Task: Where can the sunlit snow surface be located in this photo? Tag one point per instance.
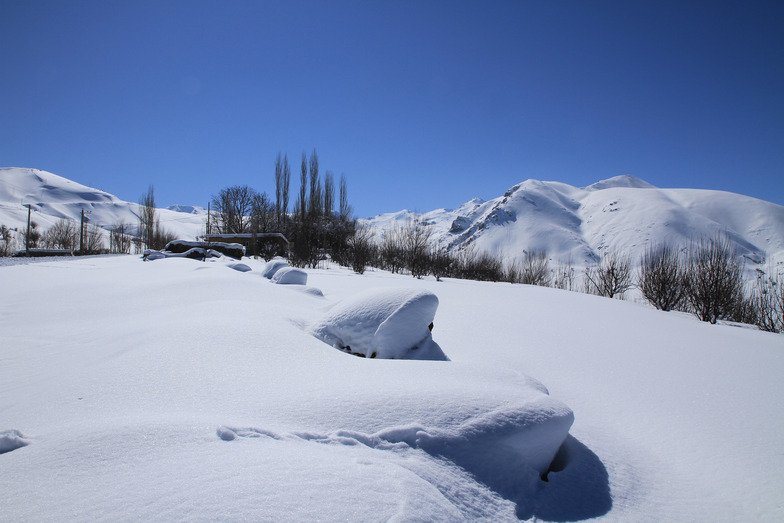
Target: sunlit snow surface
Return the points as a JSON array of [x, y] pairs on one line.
[[181, 389]]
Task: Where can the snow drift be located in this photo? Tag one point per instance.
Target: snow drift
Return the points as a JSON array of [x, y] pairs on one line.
[[383, 323]]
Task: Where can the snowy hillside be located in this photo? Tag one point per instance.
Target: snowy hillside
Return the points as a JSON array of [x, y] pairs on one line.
[[53, 197], [622, 214], [186, 390]]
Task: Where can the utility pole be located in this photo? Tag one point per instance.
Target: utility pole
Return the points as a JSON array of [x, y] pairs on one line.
[[27, 236], [81, 234]]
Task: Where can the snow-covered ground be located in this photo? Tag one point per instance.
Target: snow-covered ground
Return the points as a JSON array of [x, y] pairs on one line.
[[177, 389]]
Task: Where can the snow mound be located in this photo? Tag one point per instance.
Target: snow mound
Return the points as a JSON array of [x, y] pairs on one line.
[[383, 323], [11, 440], [524, 436], [290, 276], [241, 267], [273, 266]]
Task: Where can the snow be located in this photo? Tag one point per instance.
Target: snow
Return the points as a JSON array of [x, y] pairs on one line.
[[182, 389], [383, 323], [273, 266], [623, 214], [290, 276]]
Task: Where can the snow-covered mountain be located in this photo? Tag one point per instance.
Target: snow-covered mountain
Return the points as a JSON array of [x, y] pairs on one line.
[[622, 214], [52, 197]]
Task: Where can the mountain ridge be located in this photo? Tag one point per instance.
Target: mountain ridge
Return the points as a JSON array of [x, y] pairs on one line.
[[622, 214]]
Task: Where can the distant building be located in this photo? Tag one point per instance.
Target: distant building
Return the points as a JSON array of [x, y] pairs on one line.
[[263, 242]]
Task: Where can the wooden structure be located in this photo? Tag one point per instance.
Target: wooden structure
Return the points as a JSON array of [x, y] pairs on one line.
[[263, 242]]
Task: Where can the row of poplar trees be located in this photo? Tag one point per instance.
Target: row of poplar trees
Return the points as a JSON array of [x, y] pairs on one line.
[[319, 223]]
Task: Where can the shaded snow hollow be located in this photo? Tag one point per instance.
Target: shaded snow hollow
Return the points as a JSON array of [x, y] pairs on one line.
[[383, 323]]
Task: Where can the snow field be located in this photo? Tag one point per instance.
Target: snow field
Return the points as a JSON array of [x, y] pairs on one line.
[[183, 389]]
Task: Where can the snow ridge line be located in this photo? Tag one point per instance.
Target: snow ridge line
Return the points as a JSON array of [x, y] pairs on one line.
[[528, 433]]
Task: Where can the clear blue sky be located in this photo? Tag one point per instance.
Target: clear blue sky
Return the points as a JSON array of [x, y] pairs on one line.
[[421, 104]]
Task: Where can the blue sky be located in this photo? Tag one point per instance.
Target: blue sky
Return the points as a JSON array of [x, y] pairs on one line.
[[420, 104]]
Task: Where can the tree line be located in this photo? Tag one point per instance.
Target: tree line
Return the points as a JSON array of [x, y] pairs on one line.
[[318, 223]]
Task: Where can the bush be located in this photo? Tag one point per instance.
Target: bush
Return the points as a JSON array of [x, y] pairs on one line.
[[361, 248], [768, 303], [714, 281], [7, 243], [662, 278], [612, 278], [532, 270]]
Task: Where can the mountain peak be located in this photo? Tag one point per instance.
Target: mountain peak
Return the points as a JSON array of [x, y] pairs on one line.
[[624, 180]]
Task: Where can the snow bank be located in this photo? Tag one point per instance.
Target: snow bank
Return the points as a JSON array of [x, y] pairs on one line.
[[273, 266], [383, 323], [290, 276]]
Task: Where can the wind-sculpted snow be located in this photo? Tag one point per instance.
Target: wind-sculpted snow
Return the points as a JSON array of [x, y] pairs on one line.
[[383, 323], [290, 276], [273, 266], [11, 440]]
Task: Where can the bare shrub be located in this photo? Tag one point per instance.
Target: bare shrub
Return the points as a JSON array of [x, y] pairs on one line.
[[390, 250], [612, 278], [93, 240], [768, 302], [120, 238], [361, 248], [564, 276], [64, 234], [32, 236], [441, 263], [479, 267], [7, 243], [416, 248], [662, 279], [715, 280], [535, 269]]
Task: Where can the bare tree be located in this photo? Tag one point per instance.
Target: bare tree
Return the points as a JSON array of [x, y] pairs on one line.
[[345, 208], [361, 247], [32, 236], [119, 238], [232, 207], [316, 199], [715, 286], [7, 243], [612, 278], [768, 303], [285, 189], [147, 218], [93, 240], [301, 204], [329, 194], [534, 269], [278, 189], [63, 234], [564, 276], [662, 279], [416, 247]]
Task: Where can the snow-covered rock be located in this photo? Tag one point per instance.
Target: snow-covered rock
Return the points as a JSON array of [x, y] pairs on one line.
[[383, 323], [290, 276]]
